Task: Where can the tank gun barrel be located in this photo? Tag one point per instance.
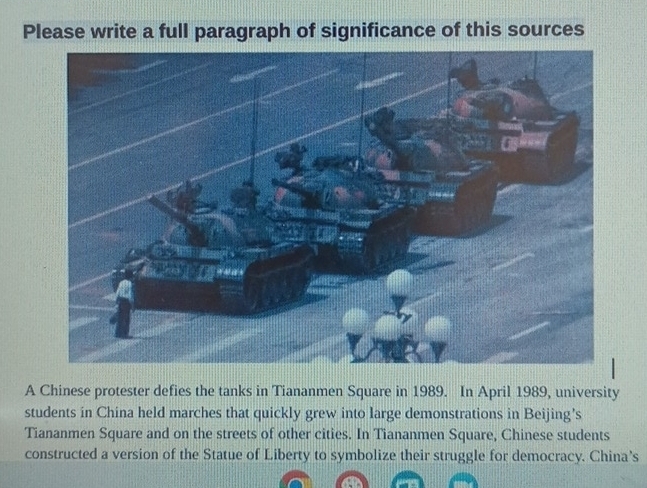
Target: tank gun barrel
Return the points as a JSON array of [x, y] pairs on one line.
[[182, 218]]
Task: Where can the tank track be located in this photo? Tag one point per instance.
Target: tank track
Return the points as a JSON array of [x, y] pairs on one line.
[[172, 295], [471, 209], [385, 242], [269, 283], [556, 163]]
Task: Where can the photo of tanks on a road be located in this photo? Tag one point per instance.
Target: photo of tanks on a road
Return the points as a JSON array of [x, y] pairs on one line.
[[320, 207]]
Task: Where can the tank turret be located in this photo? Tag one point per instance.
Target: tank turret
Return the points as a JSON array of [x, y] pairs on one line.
[[514, 125], [329, 187], [211, 260], [422, 166], [415, 144], [335, 207]]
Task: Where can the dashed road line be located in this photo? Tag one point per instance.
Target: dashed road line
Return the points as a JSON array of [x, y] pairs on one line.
[[314, 349], [378, 81], [513, 261], [588, 228], [508, 188], [90, 281], [572, 90], [251, 75], [141, 69], [82, 321], [501, 357], [182, 127], [88, 307], [137, 90], [217, 346], [113, 348], [530, 330], [428, 298]]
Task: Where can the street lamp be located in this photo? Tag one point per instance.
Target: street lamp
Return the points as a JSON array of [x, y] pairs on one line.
[[437, 331], [396, 334], [399, 284]]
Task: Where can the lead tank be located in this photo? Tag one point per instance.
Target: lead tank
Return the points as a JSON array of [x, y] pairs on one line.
[[211, 260], [514, 125], [422, 167], [334, 207]]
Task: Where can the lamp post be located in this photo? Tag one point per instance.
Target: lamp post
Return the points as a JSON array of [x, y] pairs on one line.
[[437, 331], [397, 333]]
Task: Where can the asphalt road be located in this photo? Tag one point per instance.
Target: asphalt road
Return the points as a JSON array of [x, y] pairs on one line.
[[518, 291]]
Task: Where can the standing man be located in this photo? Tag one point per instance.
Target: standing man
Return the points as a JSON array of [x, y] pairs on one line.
[[125, 305]]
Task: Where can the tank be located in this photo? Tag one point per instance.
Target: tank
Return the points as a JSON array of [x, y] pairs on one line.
[[422, 166], [211, 260], [514, 125], [334, 207]]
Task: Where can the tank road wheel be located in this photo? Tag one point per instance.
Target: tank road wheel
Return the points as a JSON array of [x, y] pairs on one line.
[[283, 292], [389, 250], [301, 280], [265, 294], [380, 253], [274, 289], [252, 294], [289, 280], [368, 258], [424, 220], [403, 244], [295, 283], [449, 223]]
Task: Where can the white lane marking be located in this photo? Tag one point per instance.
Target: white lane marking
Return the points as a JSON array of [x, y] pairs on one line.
[[428, 298], [136, 90], [113, 348], [572, 90], [501, 357], [513, 261], [378, 81], [217, 346], [588, 228], [314, 349], [110, 296], [81, 321], [251, 75], [141, 69], [181, 127], [519, 335], [88, 307], [90, 281], [123, 344], [247, 158], [508, 188], [160, 329]]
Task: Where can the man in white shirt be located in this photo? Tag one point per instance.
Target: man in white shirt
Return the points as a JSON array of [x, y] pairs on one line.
[[125, 305]]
